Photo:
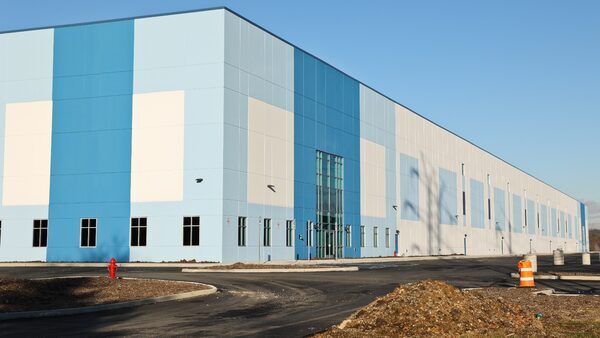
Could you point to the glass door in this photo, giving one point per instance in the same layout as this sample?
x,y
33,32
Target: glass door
x,y
330,202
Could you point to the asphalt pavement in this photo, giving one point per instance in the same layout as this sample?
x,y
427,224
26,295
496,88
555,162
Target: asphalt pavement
x,y
278,304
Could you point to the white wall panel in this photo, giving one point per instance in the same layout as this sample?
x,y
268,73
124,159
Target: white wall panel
x,y
27,143
157,147
270,154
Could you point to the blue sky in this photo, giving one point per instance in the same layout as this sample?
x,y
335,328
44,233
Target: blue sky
x,y
519,78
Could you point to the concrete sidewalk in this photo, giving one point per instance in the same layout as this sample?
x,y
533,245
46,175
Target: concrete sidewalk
x,y
342,261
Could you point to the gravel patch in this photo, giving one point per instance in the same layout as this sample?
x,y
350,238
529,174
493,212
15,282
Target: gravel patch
x,y
59,293
436,309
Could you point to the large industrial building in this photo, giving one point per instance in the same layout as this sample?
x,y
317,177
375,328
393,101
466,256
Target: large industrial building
x,y
201,136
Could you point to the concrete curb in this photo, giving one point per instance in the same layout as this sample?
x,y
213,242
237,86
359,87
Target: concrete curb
x,y
341,261
112,306
557,277
337,269
103,265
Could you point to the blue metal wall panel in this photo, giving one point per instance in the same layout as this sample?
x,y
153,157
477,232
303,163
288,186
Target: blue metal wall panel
x,y
554,222
326,102
531,217
517,225
499,209
584,231
477,205
544,220
91,140
563,231
447,197
409,187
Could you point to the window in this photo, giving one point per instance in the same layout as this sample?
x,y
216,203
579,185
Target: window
x,y
362,236
375,239
267,232
40,233
138,231
241,231
309,233
464,194
88,232
489,184
289,233
0,231
387,237
191,231
348,236
525,214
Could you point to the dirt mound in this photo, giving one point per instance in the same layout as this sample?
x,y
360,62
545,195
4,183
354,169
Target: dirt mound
x,y
433,308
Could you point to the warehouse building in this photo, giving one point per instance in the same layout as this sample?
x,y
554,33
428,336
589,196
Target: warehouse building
x,y
201,136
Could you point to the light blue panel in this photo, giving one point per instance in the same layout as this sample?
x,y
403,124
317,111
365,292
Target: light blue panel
x,y
563,227
477,204
570,226
554,222
531,217
584,230
378,121
260,66
517,214
173,47
90,170
166,59
26,63
447,197
500,209
544,220
409,187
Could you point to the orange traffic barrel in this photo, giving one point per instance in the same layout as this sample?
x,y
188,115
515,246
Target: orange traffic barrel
x,y
526,274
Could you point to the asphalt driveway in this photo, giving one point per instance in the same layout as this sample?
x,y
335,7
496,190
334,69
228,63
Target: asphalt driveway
x,y
279,304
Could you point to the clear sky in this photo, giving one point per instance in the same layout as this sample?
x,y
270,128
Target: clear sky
x,y
519,78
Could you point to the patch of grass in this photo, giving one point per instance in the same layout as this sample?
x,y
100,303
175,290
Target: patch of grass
x,y
580,328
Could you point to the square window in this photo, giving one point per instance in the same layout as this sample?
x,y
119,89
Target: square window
x,y
241,231
138,231
88,232
267,232
40,233
191,231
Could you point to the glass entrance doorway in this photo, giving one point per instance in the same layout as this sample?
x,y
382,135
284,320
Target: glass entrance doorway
x,y
330,205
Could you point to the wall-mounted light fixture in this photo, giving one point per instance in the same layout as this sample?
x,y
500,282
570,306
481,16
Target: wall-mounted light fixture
x,y
395,207
272,187
199,180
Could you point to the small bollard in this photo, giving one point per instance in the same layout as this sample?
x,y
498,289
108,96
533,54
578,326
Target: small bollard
x,y
112,268
533,259
585,258
559,257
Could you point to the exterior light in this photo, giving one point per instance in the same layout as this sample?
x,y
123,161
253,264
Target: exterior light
x,y
395,207
199,180
271,186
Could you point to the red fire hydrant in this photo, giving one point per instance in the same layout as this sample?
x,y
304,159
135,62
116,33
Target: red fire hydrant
x,y
112,268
